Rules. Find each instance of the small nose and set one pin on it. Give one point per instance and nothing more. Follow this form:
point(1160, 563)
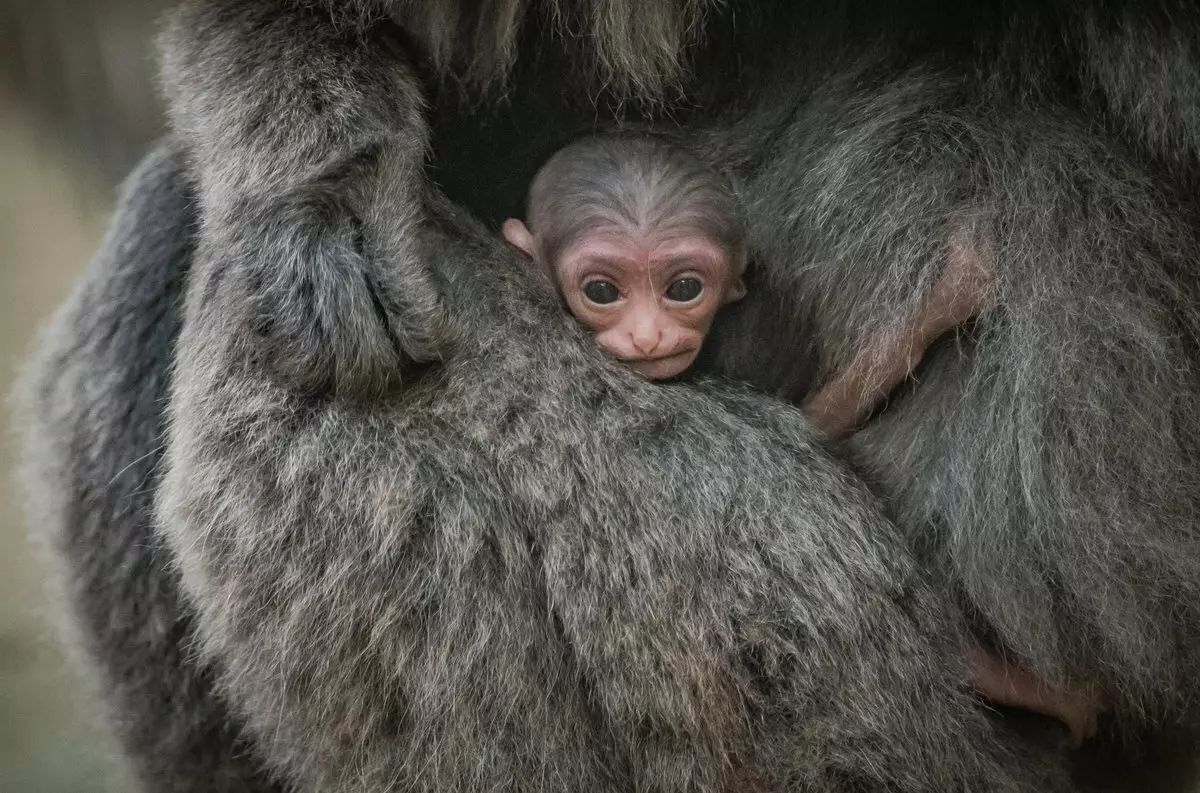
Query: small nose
point(646, 337)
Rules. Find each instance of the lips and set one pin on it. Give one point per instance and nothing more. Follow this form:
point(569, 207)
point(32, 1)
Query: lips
point(661, 366)
point(650, 359)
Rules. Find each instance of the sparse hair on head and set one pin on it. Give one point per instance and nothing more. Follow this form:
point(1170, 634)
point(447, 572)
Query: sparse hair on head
point(632, 181)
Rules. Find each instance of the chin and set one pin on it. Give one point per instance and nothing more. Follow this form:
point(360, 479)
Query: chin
point(664, 368)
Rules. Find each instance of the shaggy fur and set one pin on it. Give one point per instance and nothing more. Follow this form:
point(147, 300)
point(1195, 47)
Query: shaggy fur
point(638, 48)
point(530, 593)
point(95, 429)
point(1046, 466)
point(431, 539)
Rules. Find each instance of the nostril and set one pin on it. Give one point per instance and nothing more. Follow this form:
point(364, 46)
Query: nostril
point(647, 343)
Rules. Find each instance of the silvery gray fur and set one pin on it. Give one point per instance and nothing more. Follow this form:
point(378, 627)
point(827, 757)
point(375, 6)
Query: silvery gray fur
point(428, 538)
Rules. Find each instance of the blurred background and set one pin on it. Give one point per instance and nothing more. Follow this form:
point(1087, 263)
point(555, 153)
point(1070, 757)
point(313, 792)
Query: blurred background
point(78, 107)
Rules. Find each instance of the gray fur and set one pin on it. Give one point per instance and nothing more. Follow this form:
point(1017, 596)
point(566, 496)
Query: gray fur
point(339, 310)
point(462, 585)
point(1047, 465)
point(639, 48)
point(528, 593)
point(434, 540)
point(1139, 71)
point(94, 430)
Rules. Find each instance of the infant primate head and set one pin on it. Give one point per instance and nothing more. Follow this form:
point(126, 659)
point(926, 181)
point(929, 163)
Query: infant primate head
point(643, 241)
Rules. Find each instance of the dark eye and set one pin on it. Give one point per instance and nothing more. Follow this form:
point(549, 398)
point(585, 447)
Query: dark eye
point(601, 292)
point(684, 290)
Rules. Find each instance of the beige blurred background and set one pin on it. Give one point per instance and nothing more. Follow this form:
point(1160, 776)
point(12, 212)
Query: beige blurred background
point(77, 108)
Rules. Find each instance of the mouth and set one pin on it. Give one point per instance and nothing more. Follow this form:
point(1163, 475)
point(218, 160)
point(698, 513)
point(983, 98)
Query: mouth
point(661, 366)
point(631, 359)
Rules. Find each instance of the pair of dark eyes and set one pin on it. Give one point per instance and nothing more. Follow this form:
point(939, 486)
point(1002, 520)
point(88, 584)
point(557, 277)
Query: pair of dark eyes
point(681, 290)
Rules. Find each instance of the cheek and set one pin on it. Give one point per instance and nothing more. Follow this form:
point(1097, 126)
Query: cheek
point(696, 319)
point(588, 317)
point(686, 330)
point(611, 339)
point(680, 327)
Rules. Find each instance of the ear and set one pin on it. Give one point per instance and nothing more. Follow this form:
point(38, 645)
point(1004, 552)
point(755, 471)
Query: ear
point(736, 291)
point(516, 233)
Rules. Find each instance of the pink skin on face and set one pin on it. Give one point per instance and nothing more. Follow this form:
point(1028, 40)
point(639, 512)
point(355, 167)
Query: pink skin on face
point(650, 298)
